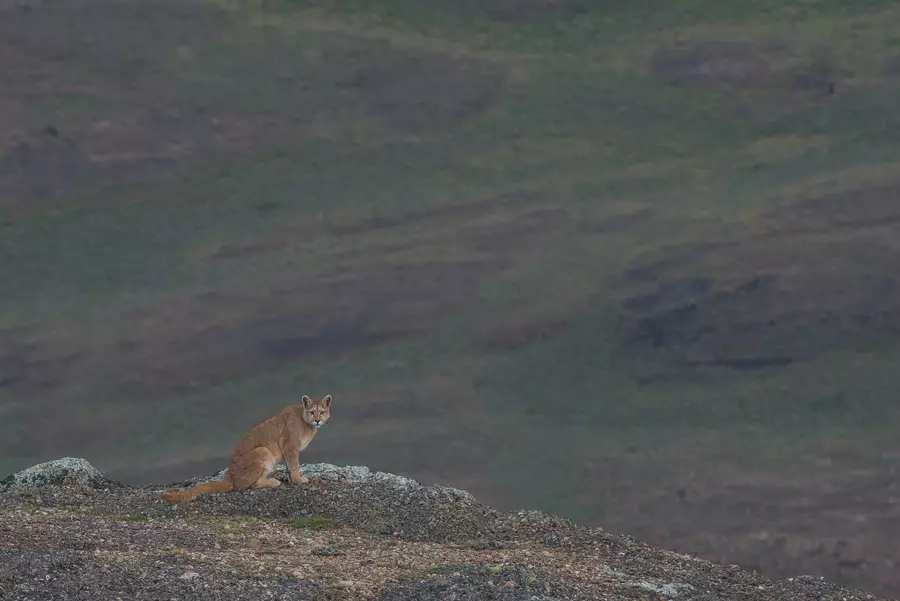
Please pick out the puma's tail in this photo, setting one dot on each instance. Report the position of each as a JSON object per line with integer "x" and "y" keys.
{"x": 201, "y": 489}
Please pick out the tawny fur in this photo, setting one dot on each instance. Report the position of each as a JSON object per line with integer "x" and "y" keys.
{"x": 279, "y": 438}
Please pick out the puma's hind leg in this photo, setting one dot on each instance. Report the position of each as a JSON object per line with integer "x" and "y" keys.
{"x": 252, "y": 469}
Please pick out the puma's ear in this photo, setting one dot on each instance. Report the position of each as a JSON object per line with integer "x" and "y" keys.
{"x": 306, "y": 401}
{"x": 327, "y": 401}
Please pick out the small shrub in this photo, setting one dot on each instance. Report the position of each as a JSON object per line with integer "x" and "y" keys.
{"x": 315, "y": 522}
{"x": 327, "y": 552}
{"x": 450, "y": 568}
{"x": 138, "y": 517}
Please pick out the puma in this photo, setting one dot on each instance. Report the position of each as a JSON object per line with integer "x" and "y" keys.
{"x": 279, "y": 438}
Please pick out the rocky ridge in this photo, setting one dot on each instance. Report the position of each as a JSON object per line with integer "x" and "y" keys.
{"x": 69, "y": 533}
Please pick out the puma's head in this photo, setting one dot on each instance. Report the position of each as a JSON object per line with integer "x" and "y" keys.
{"x": 316, "y": 413}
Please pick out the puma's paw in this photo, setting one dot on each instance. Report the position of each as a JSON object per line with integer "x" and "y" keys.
{"x": 300, "y": 480}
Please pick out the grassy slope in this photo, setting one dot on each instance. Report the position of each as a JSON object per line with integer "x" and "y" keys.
{"x": 438, "y": 274}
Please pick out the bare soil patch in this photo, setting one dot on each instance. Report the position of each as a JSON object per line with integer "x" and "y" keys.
{"x": 468, "y": 210}
{"x": 520, "y": 332}
{"x": 718, "y": 64}
{"x": 766, "y": 290}
{"x": 774, "y": 67}
{"x": 535, "y": 11}
{"x": 866, "y": 208}
{"x": 428, "y": 93}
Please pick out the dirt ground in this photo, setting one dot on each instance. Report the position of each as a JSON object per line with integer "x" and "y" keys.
{"x": 66, "y": 532}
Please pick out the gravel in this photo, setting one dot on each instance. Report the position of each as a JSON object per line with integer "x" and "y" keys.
{"x": 69, "y": 533}
{"x": 375, "y": 502}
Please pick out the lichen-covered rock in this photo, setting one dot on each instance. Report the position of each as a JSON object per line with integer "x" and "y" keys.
{"x": 352, "y": 474}
{"x": 674, "y": 590}
{"x": 68, "y": 471}
{"x": 356, "y": 496}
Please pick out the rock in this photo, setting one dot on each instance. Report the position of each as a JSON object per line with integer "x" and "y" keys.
{"x": 353, "y": 474}
{"x": 47, "y": 555}
{"x": 68, "y": 471}
{"x": 675, "y": 590}
{"x": 254, "y": 544}
{"x": 358, "y": 497}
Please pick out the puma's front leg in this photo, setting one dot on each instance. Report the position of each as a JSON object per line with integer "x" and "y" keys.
{"x": 292, "y": 458}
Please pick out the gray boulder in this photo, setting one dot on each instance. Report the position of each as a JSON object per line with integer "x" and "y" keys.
{"x": 68, "y": 471}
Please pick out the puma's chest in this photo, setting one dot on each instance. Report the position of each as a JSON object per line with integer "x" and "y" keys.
{"x": 304, "y": 444}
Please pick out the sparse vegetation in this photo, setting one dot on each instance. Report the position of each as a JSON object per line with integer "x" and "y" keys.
{"x": 314, "y": 522}
{"x": 327, "y": 552}
{"x": 60, "y": 539}
{"x": 132, "y": 518}
{"x": 450, "y": 568}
